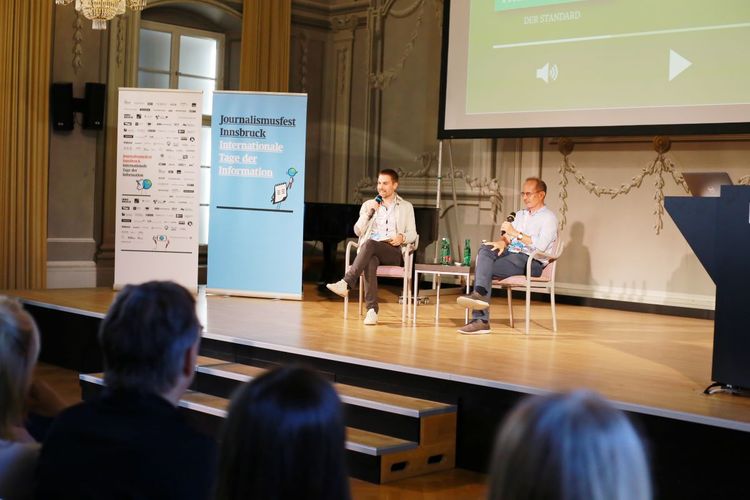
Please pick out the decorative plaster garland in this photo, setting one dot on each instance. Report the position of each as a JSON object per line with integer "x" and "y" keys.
{"x": 383, "y": 79}
{"x": 77, "y": 39}
{"x": 658, "y": 167}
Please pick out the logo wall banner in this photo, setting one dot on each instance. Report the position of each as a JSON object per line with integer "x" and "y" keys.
{"x": 257, "y": 194}
{"x": 158, "y": 170}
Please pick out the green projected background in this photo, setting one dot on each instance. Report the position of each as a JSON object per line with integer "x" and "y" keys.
{"x": 545, "y": 55}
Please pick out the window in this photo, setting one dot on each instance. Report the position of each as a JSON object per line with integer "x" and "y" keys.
{"x": 175, "y": 57}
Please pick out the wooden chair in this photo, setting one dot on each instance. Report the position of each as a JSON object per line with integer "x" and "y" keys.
{"x": 404, "y": 272}
{"x": 544, "y": 283}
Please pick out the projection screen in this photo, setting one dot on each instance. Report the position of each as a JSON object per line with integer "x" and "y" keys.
{"x": 513, "y": 68}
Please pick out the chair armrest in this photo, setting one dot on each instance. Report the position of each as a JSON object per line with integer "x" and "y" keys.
{"x": 538, "y": 254}
{"x": 347, "y": 260}
{"x": 407, "y": 251}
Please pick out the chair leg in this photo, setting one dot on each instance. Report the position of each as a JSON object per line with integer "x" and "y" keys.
{"x": 510, "y": 305}
{"x": 346, "y": 305}
{"x": 552, "y": 303}
{"x": 361, "y": 286}
{"x": 405, "y": 298}
{"x": 528, "y": 306}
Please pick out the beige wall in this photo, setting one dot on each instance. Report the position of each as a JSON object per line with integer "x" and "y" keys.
{"x": 355, "y": 128}
{"x": 72, "y": 229}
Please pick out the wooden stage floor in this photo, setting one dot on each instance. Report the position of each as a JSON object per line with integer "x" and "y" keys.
{"x": 644, "y": 363}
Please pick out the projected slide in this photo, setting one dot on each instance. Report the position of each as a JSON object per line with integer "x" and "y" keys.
{"x": 589, "y": 63}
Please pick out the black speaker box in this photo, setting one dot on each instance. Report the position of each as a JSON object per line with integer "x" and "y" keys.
{"x": 62, "y": 106}
{"x": 93, "y": 107}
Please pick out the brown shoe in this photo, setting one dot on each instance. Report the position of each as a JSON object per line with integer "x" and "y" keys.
{"x": 475, "y": 327}
{"x": 474, "y": 301}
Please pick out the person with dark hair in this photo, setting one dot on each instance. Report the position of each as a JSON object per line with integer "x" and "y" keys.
{"x": 572, "y": 446}
{"x": 534, "y": 228}
{"x": 19, "y": 348}
{"x": 385, "y": 225}
{"x": 284, "y": 439}
{"x": 132, "y": 442}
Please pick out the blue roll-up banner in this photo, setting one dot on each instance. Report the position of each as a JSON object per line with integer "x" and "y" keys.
{"x": 257, "y": 194}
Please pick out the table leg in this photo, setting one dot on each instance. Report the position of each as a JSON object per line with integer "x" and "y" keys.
{"x": 466, "y": 313}
{"x": 416, "y": 299}
{"x": 437, "y": 298}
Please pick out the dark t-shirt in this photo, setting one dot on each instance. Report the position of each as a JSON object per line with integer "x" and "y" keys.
{"x": 125, "y": 445}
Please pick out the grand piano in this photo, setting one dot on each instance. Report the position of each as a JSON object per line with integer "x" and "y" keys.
{"x": 332, "y": 223}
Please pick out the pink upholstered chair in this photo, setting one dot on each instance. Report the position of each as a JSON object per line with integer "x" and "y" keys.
{"x": 544, "y": 283}
{"x": 404, "y": 272}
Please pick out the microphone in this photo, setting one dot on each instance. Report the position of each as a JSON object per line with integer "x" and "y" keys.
{"x": 511, "y": 217}
{"x": 378, "y": 199}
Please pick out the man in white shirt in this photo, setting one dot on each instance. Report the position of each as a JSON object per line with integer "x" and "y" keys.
{"x": 385, "y": 225}
{"x": 534, "y": 228}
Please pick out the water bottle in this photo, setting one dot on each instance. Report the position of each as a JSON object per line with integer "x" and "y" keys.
{"x": 467, "y": 252}
{"x": 445, "y": 252}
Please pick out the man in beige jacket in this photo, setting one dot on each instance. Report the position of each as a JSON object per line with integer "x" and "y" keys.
{"x": 385, "y": 225}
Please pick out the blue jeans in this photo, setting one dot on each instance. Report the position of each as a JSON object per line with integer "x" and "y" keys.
{"x": 491, "y": 265}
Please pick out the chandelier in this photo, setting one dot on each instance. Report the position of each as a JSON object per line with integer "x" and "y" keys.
{"x": 101, "y": 11}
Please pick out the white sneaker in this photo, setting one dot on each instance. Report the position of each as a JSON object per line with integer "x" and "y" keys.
{"x": 371, "y": 318}
{"x": 339, "y": 288}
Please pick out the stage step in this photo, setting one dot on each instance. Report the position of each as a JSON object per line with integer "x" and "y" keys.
{"x": 349, "y": 394}
{"x": 372, "y": 456}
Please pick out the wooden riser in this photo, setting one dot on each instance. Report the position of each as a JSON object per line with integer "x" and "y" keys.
{"x": 372, "y": 457}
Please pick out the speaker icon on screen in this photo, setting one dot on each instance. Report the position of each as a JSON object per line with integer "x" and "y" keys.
{"x": 547, "y": 73}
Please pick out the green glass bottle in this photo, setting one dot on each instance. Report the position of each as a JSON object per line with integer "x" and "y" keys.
{"x": 467, "y": 252}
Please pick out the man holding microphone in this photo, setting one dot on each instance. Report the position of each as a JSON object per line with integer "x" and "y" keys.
{"x": 534, "y": 228}
{"x": 385, "y": 224}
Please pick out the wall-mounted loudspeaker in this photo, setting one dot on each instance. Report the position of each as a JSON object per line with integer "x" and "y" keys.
{"x": 62, "y": 106}
{"x": 93, "y": 109}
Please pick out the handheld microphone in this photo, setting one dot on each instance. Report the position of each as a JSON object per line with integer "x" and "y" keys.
{"x": 511, "y": 217}
{"x": 378, "y": 199}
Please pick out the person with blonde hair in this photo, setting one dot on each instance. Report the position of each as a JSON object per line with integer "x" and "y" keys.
{"x": 572, "y": 446}
{"x": 19, "y": 348}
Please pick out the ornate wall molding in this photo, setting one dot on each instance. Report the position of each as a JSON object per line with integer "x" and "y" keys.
{"x": 423, "y": 183}
{"x": 304, "y": 50}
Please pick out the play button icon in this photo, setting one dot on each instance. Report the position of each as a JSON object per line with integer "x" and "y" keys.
{"x": 677, "y": 64}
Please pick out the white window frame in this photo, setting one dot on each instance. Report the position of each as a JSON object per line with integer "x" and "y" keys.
{"x": 174, "y": 59}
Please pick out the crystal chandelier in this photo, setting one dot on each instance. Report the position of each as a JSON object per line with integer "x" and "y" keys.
{"x": 101, "y": 11}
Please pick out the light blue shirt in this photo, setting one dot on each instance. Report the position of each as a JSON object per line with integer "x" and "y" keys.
{"x": 384, "y": 225}
{"x": 541, "y": 226}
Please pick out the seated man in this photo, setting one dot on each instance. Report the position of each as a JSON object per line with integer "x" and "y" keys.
{"x": 534, "y": 228}
{"x": 385, "y": 224}
{"x": 132, "y": 442}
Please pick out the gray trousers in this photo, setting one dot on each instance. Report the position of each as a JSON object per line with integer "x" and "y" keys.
{"x": 371, "y": 255}
{"x": 489, "y": 264}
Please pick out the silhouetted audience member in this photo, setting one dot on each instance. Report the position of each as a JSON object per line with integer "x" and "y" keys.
{"x": 19, "y": 348}
{"x": 284, "y": 439}
{"x": 573, "y": 446}
{"x": 132, "y": 442}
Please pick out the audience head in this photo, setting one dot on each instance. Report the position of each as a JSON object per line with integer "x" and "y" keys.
{"x": 149, "y": 339}
{"x": 19, "y": 348}
{"x": 571, "y": 446}
{"x": 284, "y": 438}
